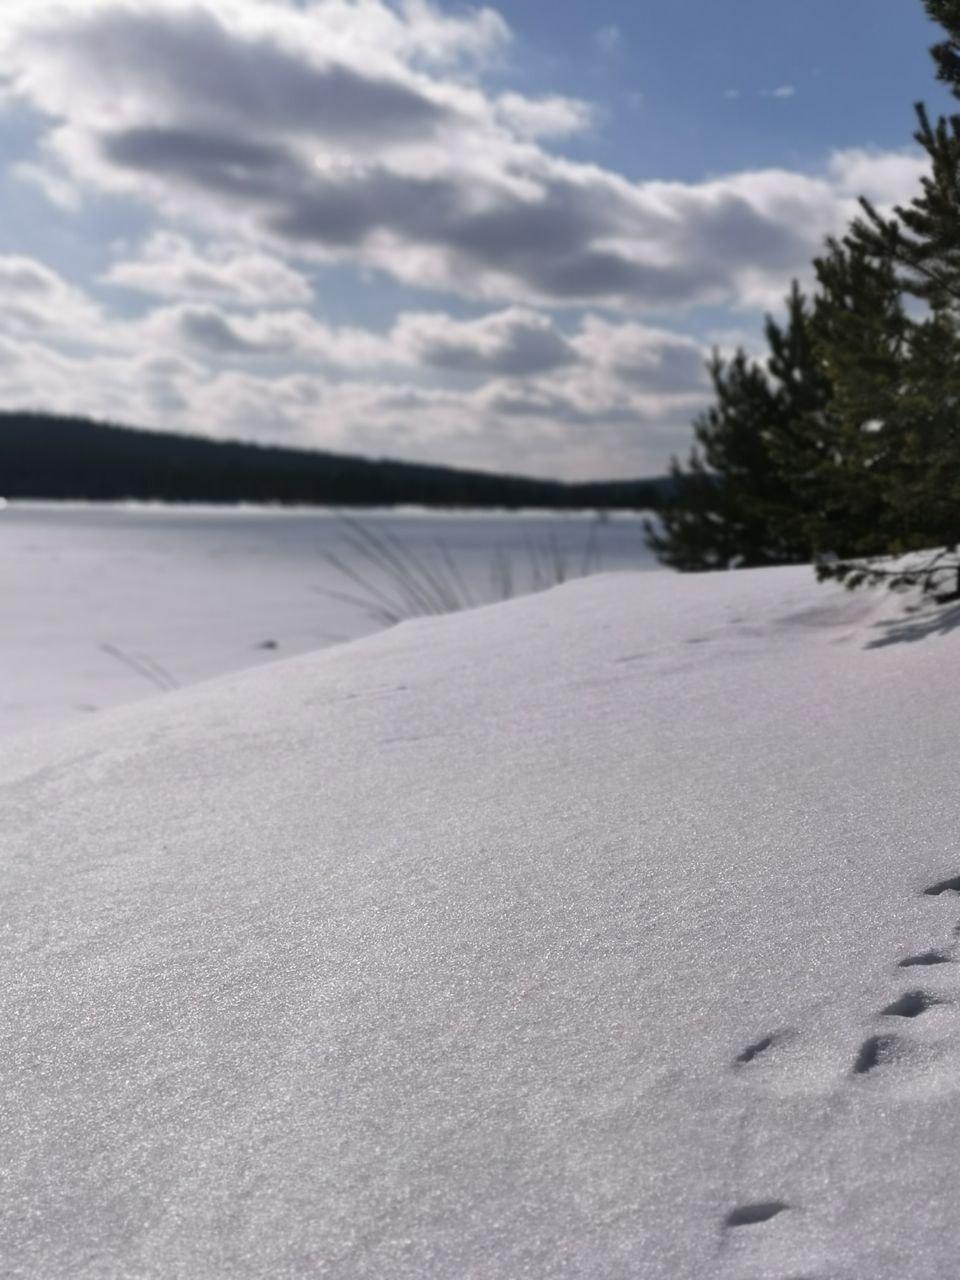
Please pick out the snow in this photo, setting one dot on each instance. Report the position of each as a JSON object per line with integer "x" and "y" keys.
{"x": 105, "y": 604}
{"x": 561, "y": 938}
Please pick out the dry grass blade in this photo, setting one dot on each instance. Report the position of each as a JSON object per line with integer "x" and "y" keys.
{"x": 416, "y": 586}
{"x": 143, "y": 666}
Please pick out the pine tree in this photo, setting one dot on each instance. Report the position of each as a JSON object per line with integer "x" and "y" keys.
{"x": 859, "y": 330}
{"x": 946, "y": 54}
{"x": 740, "y": 500}
{"x": 802, "y": 438}
{"x": 846, "y": 446}
{"x": 921, "y": 240}
{"x": 888, "y": 328}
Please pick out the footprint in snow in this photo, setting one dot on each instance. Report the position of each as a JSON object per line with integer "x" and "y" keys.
{"x": 910, "y": 1005}
{"x": 876, "y": 1051}
{"x": 753, "y": 1051}
{"x": 752, "y": 1215}
{"x": 943, "y": 886}
{"x": 924, "y": 958}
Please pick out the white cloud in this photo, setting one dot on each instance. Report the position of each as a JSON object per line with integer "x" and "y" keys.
{"x": 170, "y": 265}
{"x": 650, "y": 360}
{"x": 516, "y": 342}
{"x": 346, "y": 133}
{"x": 208, "y": 332}
{"x": 511, "y": 382}
{"x": 34, "y": 298}
{"x": 568, "y": 428}
{"x": 543, "y": 117}
{"x": 886, "y": 177}
{"x": 782, "y": 91}
{"x": 277, "y": 138}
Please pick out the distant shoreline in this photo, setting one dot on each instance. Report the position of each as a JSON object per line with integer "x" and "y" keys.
{"x": 153, "y": 506}
{"x": 49, "y": 458}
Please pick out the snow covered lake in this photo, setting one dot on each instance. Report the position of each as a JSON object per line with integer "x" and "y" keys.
{"x": 105, "y": 604}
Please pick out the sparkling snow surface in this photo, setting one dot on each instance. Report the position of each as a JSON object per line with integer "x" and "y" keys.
{"x": 583, "y": 936}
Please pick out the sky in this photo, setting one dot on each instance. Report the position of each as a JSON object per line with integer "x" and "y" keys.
{"x": 504, "y": 237}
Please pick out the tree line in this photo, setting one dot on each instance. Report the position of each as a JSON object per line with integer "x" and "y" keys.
{"x": 842, "y": 446}
{"x": 46, "y": 456}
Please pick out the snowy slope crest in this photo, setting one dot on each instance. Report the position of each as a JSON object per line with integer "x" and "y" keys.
{"x": 608, "y": 933}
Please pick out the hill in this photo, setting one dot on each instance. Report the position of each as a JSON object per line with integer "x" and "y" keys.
{"x": 45, "y": 456}
{"x": 569, "y": 937}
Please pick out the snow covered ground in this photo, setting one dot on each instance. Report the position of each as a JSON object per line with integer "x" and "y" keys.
{"x": 104, "y": 604}
{"x": 611, "y": 932}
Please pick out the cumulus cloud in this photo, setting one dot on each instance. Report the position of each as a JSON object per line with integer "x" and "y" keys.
{"x": 547, "y": 117}
{"x": 274, "y": 138}
{"x": 210, "y": 332}
{"x": 512, "y": 383}
{"x": 514, "y": 342}
{"x": 196, "y": 63}
{"x": 34, "y": 297}
{"x": 349, "y": 132}
{"x": 169, "y": 265}
{"x": 572, "y": 427}
{"x": 654, "y": 361}
{"x": 886, "y": 177}
{"x": 420, "y": 30}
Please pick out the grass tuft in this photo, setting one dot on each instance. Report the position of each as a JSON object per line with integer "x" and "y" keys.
{"x": 390, "y": 581}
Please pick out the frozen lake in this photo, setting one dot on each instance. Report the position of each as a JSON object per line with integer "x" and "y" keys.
{"x": 107, "y": 604}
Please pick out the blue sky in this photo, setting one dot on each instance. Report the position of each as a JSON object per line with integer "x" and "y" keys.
{"x": 855, "y": 67}
{"x": 502, "y": 236}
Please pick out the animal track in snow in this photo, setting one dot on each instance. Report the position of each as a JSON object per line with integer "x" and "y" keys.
{"x": 874, "y": 1052}
{"x": 751, "y": 1215}
{"x": 910, "y": 1005}
{"x": 943, "y": 886}
{"x": 756, "y": 1049}
{"x": 924, "y": 958}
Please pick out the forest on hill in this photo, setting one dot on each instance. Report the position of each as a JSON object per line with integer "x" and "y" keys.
{"x": 45, "y": 456}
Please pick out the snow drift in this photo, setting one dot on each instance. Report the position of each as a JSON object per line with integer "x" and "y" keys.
{"x": 606, "y": 933}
